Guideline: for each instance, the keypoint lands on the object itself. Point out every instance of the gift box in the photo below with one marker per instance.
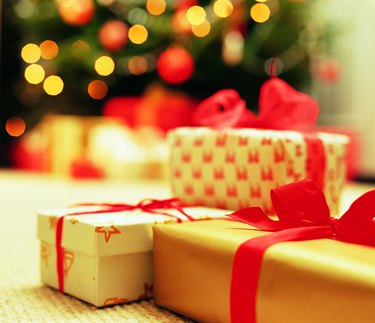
(236, 167)
(227, 271)
(103, 255)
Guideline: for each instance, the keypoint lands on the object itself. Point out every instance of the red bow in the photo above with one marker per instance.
(146, 205)
(303, 215)
(280, 107)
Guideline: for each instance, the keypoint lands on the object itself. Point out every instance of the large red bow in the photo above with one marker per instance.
(146, 205)
(280, 107)
(303, 215)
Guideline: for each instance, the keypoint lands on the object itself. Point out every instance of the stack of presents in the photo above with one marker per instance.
(253, 232)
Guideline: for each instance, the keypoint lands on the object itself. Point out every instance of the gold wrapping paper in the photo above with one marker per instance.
(236, 168)
(310, 281)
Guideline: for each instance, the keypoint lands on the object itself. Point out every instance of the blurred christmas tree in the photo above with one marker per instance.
(77, 53)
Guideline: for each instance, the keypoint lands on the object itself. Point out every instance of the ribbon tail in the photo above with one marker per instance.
(247, 266)
(255, 217)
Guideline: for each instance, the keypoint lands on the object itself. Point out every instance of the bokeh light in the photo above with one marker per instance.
(260, 12)
(223, 8)
(196, 15)
(53, 85)
(30, 53)
(156, 7)
(97, 89)
(137, 65)
(201, 30)
(80, 49)
(48, 49)
(104, 65)
(15, 126)
(138, 34)
(34, 74)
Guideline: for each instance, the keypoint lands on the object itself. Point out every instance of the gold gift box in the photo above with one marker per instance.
(310, 281)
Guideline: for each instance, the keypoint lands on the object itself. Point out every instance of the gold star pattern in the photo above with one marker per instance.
(107, 233)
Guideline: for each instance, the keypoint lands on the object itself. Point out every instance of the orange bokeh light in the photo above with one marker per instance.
(15, 126)
(49, 49)
(97, 89)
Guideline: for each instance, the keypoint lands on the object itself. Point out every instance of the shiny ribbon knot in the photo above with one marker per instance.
(147, 205)
(281, 107)
(303, 214)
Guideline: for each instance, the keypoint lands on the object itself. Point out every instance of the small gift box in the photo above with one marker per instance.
(236, 158)
(228, 271)
(102, 254)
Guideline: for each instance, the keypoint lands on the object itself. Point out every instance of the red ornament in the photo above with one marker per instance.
(328, 70)
(175, 65)
(113, 35)
(76, 12)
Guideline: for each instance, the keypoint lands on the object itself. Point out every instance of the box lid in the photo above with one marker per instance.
(112, 233)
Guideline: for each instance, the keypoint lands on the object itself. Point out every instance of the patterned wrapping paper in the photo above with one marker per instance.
(107, 256)
(236, 168)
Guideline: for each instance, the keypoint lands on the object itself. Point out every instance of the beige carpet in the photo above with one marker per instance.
(22, 297)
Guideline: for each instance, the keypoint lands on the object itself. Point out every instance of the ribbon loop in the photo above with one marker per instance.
(303, 215)
(280, 107)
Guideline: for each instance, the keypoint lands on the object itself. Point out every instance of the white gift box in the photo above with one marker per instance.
(107, 257)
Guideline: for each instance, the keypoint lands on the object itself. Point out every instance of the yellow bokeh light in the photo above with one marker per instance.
(201, 30)
(138, 34)
(223, 8)
(260, 12)
(137, 65)
(34, 74)
(53, 85)
(30, 53)
(15, 126)
(49, 49)
(104, 65)
(156, 7)
(196, 15)
(97, 89)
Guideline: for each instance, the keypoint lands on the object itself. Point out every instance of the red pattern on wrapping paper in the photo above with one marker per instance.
(255, 191)
(197, 173)
(221, 140)
(232, 191)
(148, 291)
(316, 159)
(266, 174)
(298, 152)
(207, 156)
(222, 204)
(199, 201)
(177, 173)
(189, 189)
(178, 141)
(198, 141)
(303, 215)
(68, 259)
(209, 190)
(331, 174)
(331, 149)
(107, 232)
(218, 173)
(230, 157)
(266, 141)
(278, 154)
(243, 141)
(241, 174)
(253, 157)
(186, 157)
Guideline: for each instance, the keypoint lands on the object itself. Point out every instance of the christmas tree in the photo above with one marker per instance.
(69, 56)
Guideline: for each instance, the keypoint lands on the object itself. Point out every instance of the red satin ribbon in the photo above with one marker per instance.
(303, 215)
(147, 205)
(280, 107)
